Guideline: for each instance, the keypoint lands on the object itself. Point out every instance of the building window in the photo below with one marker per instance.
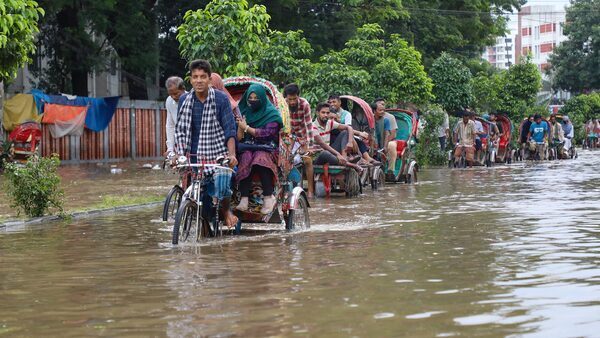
(526, 31)
(546, 47)
(508, 40)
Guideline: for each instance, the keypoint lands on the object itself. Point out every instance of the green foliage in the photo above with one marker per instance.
(6, 153)
(78, 37)
(575, 63)
(34, 187)
(18, 27)
(519, 88)
(460, 27)
(452, 83)
(486, 91)
(333, 74)
(370, 68)
(285, 58)
(428, 151)
(581, 109)
(228, 33)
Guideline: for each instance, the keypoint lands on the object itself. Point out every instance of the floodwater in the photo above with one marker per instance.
(506, 251)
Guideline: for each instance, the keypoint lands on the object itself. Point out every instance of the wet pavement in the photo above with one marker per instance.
(88, 186)
(506, 251)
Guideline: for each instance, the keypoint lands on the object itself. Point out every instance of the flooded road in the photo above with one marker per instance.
(506, 251)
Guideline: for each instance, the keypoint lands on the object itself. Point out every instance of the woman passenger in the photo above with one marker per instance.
(258, 133)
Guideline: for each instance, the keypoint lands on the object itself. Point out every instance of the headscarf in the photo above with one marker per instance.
(217, 83)
(267, 112)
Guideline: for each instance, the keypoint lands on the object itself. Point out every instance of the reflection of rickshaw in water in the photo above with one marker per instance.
(343, 179)
(405, 167)
(194, 221)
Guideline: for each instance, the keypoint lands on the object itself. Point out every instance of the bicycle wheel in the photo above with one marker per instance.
(172, 203)
(185, 228)
(298, 219)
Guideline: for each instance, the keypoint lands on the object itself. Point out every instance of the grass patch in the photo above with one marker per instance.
(121, 201)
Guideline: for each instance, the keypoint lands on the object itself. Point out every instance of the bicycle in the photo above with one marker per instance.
(198, 211)
(175, 195)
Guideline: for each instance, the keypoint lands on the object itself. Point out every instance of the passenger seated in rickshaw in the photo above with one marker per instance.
(359, 145)
(385, 134)
(258, 134)
(341, 115)
(325, 150)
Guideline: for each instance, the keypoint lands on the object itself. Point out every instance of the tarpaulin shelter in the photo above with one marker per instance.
(19, 109)
(99, 113)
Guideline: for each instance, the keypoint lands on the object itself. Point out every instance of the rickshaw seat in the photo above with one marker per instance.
(400, 147)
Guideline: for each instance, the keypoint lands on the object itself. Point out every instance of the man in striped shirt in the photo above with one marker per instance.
(302, 127)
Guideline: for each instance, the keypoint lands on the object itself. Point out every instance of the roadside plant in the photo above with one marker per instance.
(428, 151)
(5, 153)
(34, 188)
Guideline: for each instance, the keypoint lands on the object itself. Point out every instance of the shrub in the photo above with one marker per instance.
(428, 151)
(5, 153)
(34, 187)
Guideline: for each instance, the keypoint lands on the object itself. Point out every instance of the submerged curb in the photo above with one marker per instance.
(76, 215)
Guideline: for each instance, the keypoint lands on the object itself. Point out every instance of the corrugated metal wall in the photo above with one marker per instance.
(139, 122)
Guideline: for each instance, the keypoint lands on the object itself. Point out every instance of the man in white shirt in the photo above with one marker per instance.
(443, 132)
(175, 88)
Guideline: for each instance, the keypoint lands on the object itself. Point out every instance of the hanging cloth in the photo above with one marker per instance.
(19, 109)
(64, 120)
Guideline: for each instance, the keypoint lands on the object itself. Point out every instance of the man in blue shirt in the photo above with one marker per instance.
(538, 132)
(206, 130)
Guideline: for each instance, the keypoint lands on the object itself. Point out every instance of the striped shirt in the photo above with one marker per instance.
(325, 131)
(301, 122)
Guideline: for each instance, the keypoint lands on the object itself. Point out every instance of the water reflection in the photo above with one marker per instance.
(506, 251)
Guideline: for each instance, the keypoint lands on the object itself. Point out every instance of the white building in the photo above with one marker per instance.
(540, 30)
(502, 54)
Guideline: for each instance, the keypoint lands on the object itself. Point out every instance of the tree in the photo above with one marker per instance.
(452, 83)
(486, 91)
(286, 57)
(329, 24)
(459, 27)
(575, 63)
(581, 109)
(228, 33)
(370, 67)
(18, 27)
(519, 88)
(78, 37)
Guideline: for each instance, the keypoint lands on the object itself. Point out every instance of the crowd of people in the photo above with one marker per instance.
(207, 123)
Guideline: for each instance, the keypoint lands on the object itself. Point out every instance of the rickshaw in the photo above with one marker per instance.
(335, 178)
(292, 202)
(504, 152)
(554, 148)
(406, 166)
(25, 138)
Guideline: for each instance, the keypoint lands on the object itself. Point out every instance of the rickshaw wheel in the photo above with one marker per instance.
(185, 221)
(298, 219)
(379, 180)
(411, 177)
(172, 203)
(352, 183)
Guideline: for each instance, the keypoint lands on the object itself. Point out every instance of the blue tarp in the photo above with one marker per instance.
(99, 114)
